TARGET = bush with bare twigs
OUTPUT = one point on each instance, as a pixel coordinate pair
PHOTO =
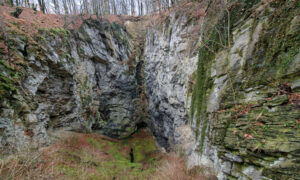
(173, 168)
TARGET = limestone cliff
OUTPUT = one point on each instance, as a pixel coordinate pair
(170, 60)
(68, 80)
(220, 85)
(243, 112)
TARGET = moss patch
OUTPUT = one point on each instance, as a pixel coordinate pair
(107, 158)
(203, 81)
(279, 42)
(7, 80)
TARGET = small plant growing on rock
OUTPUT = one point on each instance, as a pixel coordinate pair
(17, 12)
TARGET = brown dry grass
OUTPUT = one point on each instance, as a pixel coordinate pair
(43, 163)
(30, 21)
(173, 168)
(76, 158)
(192, 10)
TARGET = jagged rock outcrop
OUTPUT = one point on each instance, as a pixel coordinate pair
(75, 81)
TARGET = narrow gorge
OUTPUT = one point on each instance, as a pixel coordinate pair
(220, 87)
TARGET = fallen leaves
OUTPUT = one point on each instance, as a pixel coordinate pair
(248, 136)
(294, 98)
(285, 88)
(259, 124)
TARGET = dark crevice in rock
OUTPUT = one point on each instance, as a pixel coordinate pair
(131, 154)
(140, 79)
(99, 60)
(24, 52)
(141, 125)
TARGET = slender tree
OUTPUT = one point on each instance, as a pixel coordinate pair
(56, 6)
(42, 5)
(11, 2)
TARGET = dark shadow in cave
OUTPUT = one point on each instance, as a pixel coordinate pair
(141, 125)
(131, 155)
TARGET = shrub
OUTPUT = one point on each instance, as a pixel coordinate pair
(174, 168)
(17, 12)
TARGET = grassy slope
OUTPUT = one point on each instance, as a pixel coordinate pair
(91, 156)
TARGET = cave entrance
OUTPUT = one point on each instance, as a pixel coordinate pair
(131, 155)
(141, 125)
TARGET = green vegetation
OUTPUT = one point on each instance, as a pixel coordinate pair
(281, 39)
(119, 34)
(6, 65)
(278, 47)
(17, 12)
(6, 86)
(63, 47)
(203, 81)
(217, 40)
(91, 156)
(7, 76)
(109, 159)
(263, 129)
(60, 31)
(54, 32)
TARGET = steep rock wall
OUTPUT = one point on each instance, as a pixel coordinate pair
(170, 60)
(72, 81)
(244, 106)
(232, 106)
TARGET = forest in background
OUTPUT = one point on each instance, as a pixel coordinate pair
(95, 7)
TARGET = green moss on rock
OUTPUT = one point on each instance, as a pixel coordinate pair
(7, 84)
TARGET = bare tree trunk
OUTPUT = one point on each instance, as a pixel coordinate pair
(172, 2)
(65, 7)
(11, 2)
(83, 7)
(72, 7)
(56, 6)
(226, 5)
(141, 9)
(132, 7)
(159, 6)
(42, 5)
(139, 12)
(27, 3)
(114, 7)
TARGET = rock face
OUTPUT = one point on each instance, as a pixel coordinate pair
(74, 81)
(170, 61)
(242, 116)
(226, 100)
